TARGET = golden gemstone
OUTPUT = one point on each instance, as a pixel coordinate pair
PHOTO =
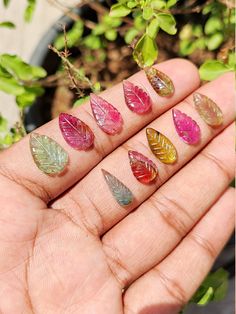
(160, 82)
(208, 110)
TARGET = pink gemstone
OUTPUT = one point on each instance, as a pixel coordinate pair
(136, 98)
(107, 116)
(75, 132)
(143, 168)
(187, 129)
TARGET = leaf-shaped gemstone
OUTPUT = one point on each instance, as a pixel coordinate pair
(160, 82)
(107, 117)
(121, 193)
(161, 146)
(136, 98)
(143, 168)
(76, 133)
(187, 129)
(208, 109)
(48, 155)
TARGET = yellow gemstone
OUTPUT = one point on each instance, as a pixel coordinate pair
(160, 82)
(208, 110)
(161, 146)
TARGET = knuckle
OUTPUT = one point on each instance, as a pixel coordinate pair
(218, 163)
(174, 215)
(116, 265)
(172, 287)
(204, 244)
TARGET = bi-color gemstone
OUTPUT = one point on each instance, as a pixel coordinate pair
(208, 110)
(160, 82)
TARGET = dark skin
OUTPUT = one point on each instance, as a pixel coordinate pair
(67, 247)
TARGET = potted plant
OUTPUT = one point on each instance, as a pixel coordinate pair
(99, 43)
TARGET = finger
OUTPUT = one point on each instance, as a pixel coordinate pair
(17, 161)
(144, 238)
(169, 285)
(101, 210)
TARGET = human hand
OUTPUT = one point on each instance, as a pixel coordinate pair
(66, 246)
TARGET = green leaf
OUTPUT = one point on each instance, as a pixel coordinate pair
(48, 155)
(139, 23)
(20, 69)
(158, 4)
(213, 25)
(231, 59)
(152, 28)
(11, 86)
(213, 288)
(171, 3)
(93, 42)
(119, 10)
(109, 21)
(99, 29)
(73, 36)
(206, 297)
(167, 23)
(3, 124)
(212, 69)
(186, 47)
(6, 3)
(132, 4)
(215, 41)
(111, 34)
(130, 35)
(81, 101)
(147, 13)
(186, 32)
(7, 24)
(29, 11)
(29, 96)
(145, 52)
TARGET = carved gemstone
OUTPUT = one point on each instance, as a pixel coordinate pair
(48, 155)
(143, 168)
(136, 98)
(160, 82)
(208, 110)
(187, 129)
(120, 192)
(75, 132)
(107, 116)
(161, 146)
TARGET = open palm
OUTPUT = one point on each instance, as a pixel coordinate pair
(66, 246)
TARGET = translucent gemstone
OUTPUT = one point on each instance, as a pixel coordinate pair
(48, 155)
(136, 98)
(106, 115)
(161, 146)
(120, 192)
(143, 168)
(160, 82)
(75, 132)
(187, 129)
(208, 110)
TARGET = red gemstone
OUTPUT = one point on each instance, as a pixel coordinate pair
(143, 168)
(136, 98)
(75, 132)
(107, 116)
